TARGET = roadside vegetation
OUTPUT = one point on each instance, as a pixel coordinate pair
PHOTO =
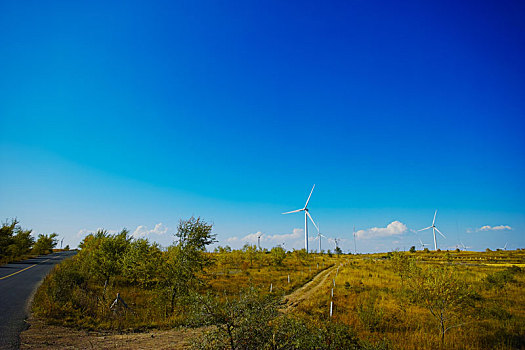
(398, 300)
(17, 243)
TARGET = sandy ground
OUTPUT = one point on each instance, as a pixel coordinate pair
(44, 336)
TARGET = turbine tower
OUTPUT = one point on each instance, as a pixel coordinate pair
(355, 244)
(259, 240)
(434, 229)
(306, 216)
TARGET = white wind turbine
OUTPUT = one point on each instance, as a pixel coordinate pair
(355, 244)
(434, 229)
(306, 216)
(319, 235)
(336, 242)
(259, 240)
(422, 244)
(465, 248)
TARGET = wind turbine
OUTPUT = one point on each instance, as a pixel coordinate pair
(464, 246)
(422, 244)
(336, 241)
(355, 244)
(306, 216)
(259, 240)
(319, 235)
(434, 229)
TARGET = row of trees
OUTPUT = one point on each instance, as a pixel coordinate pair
(16, 242)
(118, 261)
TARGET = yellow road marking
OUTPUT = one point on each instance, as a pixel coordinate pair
(14, 273)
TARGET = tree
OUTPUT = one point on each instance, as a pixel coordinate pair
(14, 240)
(107, 259)
(338, 251)
(278, 254)
(186, 258)
(242, 322)
(403, 265)
(102, 254)
(443, 293)
(412, 249)
(250, 251)
(141, 262)
(45, 243)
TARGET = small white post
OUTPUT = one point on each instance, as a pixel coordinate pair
(318, 266)
(334, 282)
(332, 293)
(331, 308)
(271, 287)
(288, 279)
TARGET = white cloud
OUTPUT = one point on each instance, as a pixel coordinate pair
(142, 231)
(294, 240)
(494, 228)
(296, 234)
(392, 229)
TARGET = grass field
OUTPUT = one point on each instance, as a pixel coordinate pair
(396, 300)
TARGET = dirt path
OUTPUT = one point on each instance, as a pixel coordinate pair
(299, 295)
(44, 336)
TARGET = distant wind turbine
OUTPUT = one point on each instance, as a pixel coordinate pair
(306, 216)
(319, 235)
(465, 248)
(434, 229)
(355, 244)
(336, 242)
(259, 240)
(422, 244)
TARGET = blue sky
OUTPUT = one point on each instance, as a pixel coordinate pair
(136, 115)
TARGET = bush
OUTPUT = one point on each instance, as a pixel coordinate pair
(15, 242)
(253, 322)
(499, 279)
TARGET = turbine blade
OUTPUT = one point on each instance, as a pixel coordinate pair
(433, 221)
(440, 232)
(423, 229)
(293, 211)
(313, 222)
(308, 200)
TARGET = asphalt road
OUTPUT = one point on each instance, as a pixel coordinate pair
(18, 282)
